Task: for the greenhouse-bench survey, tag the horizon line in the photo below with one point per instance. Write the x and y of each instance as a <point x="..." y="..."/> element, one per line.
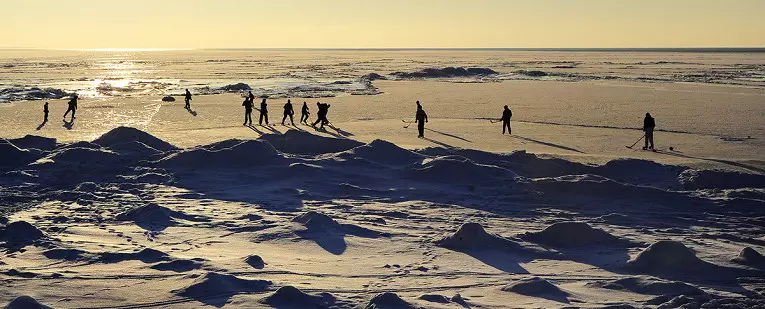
<point x="636" y="49"/>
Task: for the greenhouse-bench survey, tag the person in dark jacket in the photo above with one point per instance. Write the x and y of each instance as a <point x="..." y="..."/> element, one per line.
<point x="187" y="98"/>
<point x="506" y="115"/>
<point x="321" y="115"/>
<point x="247" y="111"/>
<point x="648" y="125"/>
<point x="45" y="111"/>
<point x="421" y="118"/>
<point x="72" y="106"/>
<point x="304" y="113"/>
<point x="288" y="112"/>
<point x="263" y="112"/>
<point x="251" y="97"/>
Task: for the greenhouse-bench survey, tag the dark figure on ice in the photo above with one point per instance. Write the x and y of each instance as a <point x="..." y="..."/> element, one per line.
<point x="263" y="112"/>
<point x="187" y="98"/>
<point x="72" y="106"/>
<point x="420" y="118"/>
<point x="288" y="112"/>
<point x="648" y="125"/>
<point x="45" y="111"/>
<point x="304" y="113"/>
<point x="506" y="115"/>
<point x="321" y="115"/>
<point x="247" y="111"/>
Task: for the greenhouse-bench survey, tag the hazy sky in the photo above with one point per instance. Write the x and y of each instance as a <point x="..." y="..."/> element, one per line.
<point x="381" y="23"/>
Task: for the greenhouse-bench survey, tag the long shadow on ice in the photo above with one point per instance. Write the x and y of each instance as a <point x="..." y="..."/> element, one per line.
<point x="450" y="135"/>
<point x="547" y="143"/>
<point x="727" y="162"/>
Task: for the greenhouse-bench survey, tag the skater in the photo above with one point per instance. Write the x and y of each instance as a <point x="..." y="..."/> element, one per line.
<point x="321" y="115"/>
<point x="288" y="112"/>
<point x="247" y="111"/>
<point x="72" y="106"/>
<point x="304" y="113"/>
<point x="648" y="125"/>
<point x="45" y="111"/>
<point x="188" y="99"/>
<point x="506" y="115"/>
<point x="421" y="118"/>
<point x="263" y="112"/>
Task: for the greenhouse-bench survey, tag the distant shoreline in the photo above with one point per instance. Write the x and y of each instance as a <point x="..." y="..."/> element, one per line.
<point x="650" y="50"/>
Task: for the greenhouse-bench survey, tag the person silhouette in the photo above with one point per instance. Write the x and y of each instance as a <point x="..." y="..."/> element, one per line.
<point x="263" y="112"/>
<point x="72" y="106"/>
<point x="421" y="118"/>
<point x="304" y="113"/>
<point x="321" y="114"/>
<point x="648" y="125"/>
<point x="45" y="111"/>
<point x="506" y="115"/>
<point x="247" y="111"/>
<point x="187" y="98"/>
<point x="288" y="112"/>
<point x="251" y="97"/>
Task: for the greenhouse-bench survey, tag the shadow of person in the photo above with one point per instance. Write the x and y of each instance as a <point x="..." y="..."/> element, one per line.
<point x="450" y="135"/>
<point x="341" y="132"/>
<point x="192" y="112"/>
<point x="69" y="124"/>
<point x="442" y="144"/>
<point x="728" y="162"/>
<point x="546" y="143"/>
<point x="255" y="129"/>
<point x="42" y="125"/>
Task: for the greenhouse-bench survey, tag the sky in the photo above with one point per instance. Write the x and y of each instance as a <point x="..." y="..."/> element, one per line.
<point x="93" y="24"/>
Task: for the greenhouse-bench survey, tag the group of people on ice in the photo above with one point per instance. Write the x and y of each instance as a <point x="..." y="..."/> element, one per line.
<point x="323" y="108"/>
<point x="289" y="112"/>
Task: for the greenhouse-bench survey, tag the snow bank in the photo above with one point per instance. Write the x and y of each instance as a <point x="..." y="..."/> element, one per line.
<point x="388" y="300"/>
<point x="572" y="234"/>
<point x="178" y="265"/>
<point x="666" y="256"/>
<point x="215" y="284"/>
<point x="714" y="179"/>
<point x="146" y="255"/>
<point x="25" y="302"/>
<point x="128" y="134"/>
<point x="85" y="156"/>
<point x="247" y="153"/>
<point x="315" y="220"/>
<point x="650" y="285"/>
<point x="445" y="72"/>
<point x="150" y="213"/>
<point x="11" y="156"/>
<point x="301" y="142"/>
<point x="292" y="297"/>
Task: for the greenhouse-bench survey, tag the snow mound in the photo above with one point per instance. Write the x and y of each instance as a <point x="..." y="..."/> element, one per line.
<point x="178" y="265"/>
<point x="650" y="286"/>
<point x="150" y="214"/>
<point x="221" y="155"/>
<point x="236" y="87"/>
<point x="572" y="234"/>
<point x="435" y="298"/>
<point x="292" y="297"/>
<point x="666" y="256"/>
<point x="255" y="261"/>
<point x="536" y="287"/>
<point x="65" y="254"/>
<point x="36" y="142"/>
<point x="84" y="156"/>
<point x="445" y="72"/>
<point x="455" y="169"/>
<point x="20" y="232"/>
<point x="301" y="142"/>
<point x="713" y="179"/>
<point x="215" y="284"/>
<point x="25" y="302"/>
<point x="146" y="255"/>
<point x="751" y="257"/>
<point x="168" y="99"/>
<point x="383" y="152"/>
<point x="128" y="134"/>
<point x="388" y="300"/>
<point x="639" y="171"/>
<point x="616" y="219"/>
<point x="10" y="155"/>
<point x="472" y="236"/>
<point x="316" y="220"/>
